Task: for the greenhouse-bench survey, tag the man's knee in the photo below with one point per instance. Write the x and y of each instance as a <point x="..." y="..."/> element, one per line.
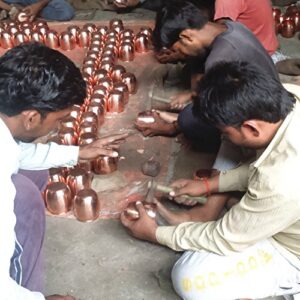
<point x="58" y="10"/>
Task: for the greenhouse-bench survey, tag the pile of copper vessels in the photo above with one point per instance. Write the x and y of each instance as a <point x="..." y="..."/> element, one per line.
<point x="287" y="23"/>
<point x="109" y="86"/>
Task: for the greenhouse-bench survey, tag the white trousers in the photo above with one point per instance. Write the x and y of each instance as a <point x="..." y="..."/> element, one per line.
<point x="258" y="272"/>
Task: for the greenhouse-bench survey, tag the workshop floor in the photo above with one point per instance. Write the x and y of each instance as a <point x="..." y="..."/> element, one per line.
<point x="99" y="260"/>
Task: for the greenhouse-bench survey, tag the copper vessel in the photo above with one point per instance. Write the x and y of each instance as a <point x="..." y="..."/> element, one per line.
<point x="95" y="47"/>
<point x="89" y="116"/>
<point x="146" y="117"/>
<point x="90" y="61"/>
<point x="126" y="52"/>
<point x="27" y="30"/>
<point x="58" y="198"/>
<point x="107" y="58"/>
<point x="287" y="28"/>
<point x="43" y="29"/>
<point x="115" y="102"/>
<point x="130" y="80"/>
<point x="276" y="13"/>
<point x="141" y="43"/>
<point x="36" y="36"/>
<point x="116" y="73"/>
<point x="88" y="69"/>
<point x="76" y="112"/>
<point x="22" y="17"/>
<point x="91" y="27"/>
<point x="147" y="31"/>
<point x="67" y="41"/>
<point x="68" y="136"/>
<point x="69" y="122"/>
<point x="98" y="99"/>
<point x="106" y="65"/>
<point x="86" y="138"/>
<point x="122" y="87"/>
<point x="6" y="40"/>
<point x="296" y="19"/>
<point x="100" y="90"/>
<point x="132" y="212"/>
<point x="105" y="164"/>
<point x="99" y="110"/>
<point x="77" y="180"/>
<point x="109" y="51"/>
<point x="56" y="175"/>
<point x="19" y="38"/>
<point x="41" y="23"/>
<point x="117" y="28"/>
<point x="93" y="54"/>
<point x="114" y="22"/>
<point x="51" y="39"/>
<point x="126" y="33"/>
<point x="111" y="33"/>
<point x="12" y="29"/>
<point x="100" y="73"/>
<point x="102" y="29"/>
<point x="74" y="30"/>
<point x="106" y="82"/>
<point x="86" y="165"/>
<point x="83" y="38"/>
<point x="86" y="205"/>
<point x="97" y="35"/>
<point x="292" y="9"/>
<point x="87" y="127"/>
<point x="89" y="80"/>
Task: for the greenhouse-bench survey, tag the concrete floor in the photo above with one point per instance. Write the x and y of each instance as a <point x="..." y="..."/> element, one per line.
<point x="99" y="260"/>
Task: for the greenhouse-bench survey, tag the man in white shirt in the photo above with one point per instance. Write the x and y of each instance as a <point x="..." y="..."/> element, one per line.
<point x="38" y="87"/>
<point x="253" y="250"/>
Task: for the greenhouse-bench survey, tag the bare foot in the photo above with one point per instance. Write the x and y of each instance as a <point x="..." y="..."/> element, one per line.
<point x="180" y="100"/>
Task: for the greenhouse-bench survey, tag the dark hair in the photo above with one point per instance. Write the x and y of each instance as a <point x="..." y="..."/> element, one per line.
<point x="173" y="18"/>
<point x="33" y="76"/>
<point x="231" y="93"/>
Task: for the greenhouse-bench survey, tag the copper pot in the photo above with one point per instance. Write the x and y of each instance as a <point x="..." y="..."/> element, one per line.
<point x="19" y="38"/>
<point x="88" y="69"/>
<point x="99" y="110"/>
<point x="56" y="175"/>
<point x="78" y="180"/>
<point x="91" y="27"/>
<point x="89" y="80"/>
<point x="126" y="52"/>
<point x="115" y="102"/>
<point x="90" y="61"/>
<point x="43" y="29"/>
<point x="141" y="43"/>
<point x="287" y="28"/>
<point x="276" y="13"/>
<point x="6" y="40"/>
<point x="67" y="41"/>
<point x="126" y="33"/>
<point x="109" y="51"/>
<point x="296" y="19"/>
<point x="86" y="205"/>
<point x="292" y="9"/>
<point x="132" y="212"/>
<point x="100" y="90"/>
<point x="58" y="198"/>
<point x="105" y="165"/>
<point x="115" y="22"/>
<point x="74" y="30"/>
<point x="117" y="71"/>
<point x="117" y="28"/>
<point x="106" y="65"/>
<point x="130" y="80"/>
<point x="93" y="54"/>
<point x="97" y="35"/>
<point x="106" y="82"/>
<point x="111" y="33"/>
<point x="100" y="73"/>
<point x="102" y="29"/>
<point x="122" y="87"/>
<point x="89" y="116"/>
<point x="51" y="39"/>
<point x="76" y="112"/>
<point x="83" y="38"/>
<point x="69" y="122"/>
<point x="146" y="117"/>
<point x="98" y="99"/>
<point x="108" y="58"/>
<point x="146" y="31"/>
<point x="68" y="136"/>
<point x="41" y="23"/>
<point x="86" y="138"/>
<point x="12" y="29"/>
<point x="37" y="37"/>
<point x="27" y="30"/>
<point x="87" y="127"/>
<point x="95" y="47"/>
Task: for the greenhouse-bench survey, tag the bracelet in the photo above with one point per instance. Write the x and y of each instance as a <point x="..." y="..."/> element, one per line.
<point x="207" y="185"/>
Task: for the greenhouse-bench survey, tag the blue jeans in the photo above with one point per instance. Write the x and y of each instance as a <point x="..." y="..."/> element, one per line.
<point x="58" y="10"/>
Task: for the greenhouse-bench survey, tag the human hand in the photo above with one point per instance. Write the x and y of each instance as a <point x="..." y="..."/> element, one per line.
<point x="59" y="297"/>
<point x="158" y="127"/>
<point x="180" y="100"/>
<point x="32" y="10"/>
<point x="102" y="146"/>
<point x="144" y="228"/>
<point x="289" y="66"/>
<point x="169" y="56"/>
<point x="167" y="116"/>
<point x="126" y="3"/>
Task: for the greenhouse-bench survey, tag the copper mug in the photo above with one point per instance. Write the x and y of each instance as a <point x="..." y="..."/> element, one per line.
<point x="77" y="180"/>
<point x="67" y="41"/>
<point x="58" y="198"/>
<point x="69" y="122"/>
<point x="89" y="116"/>
<point x="130" y="80"/>
<point x="87" y="127"/>
<point x="132" y="212"/>
<point x="288" y="28"/>
<point x="126" y="52"/>
<point x="100" y="90"/>
<point x="126" y="33"/>
<point x="68" y="136"/>
<point x="147" y="31"/>
<point x="105" y="164"/>
<point x="86" y="138"/>
<point x="19" y="38"/>
<point x="122" y="87"/>
<point x="83" y="38"/>
<point x="6" y="41"/>
<point x="98" y="99"/>
<point x="86" y="205"/>
<point x="99" y="110"/>
<point x="74" y="30"/>
<point x="116" y="73"/>
<point x="114" y="22"/>
<point x="36" y="36"/>
<point x="115" y="102"/>
<point x="102" y="29"/>
<point x="51" y="39"/>
<point x="91" y="27"/>
<point x="100" y="73"/>
<point x="56" y="175"/>
<point x="141" y="43"/>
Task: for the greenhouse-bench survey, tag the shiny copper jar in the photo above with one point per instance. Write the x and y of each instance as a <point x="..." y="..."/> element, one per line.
<point x="100" y="90"/>
<point x="87" y="138"/>
<point x="19" y="38"/>
<point x="287" y="28"/>
<point x="107" y="65"/>
<point x="43" y="29"/>
<point x="69" y="122"/>
<point x="127" y="33"/>
<point x="116" y="73"/>
<point x="67" y="41"/>
<point x="77" y="180"/>
<point x="68" y="136"/>
<point x="87" y="127"/>
<point x="146" y="31"/>
<point x="122" y="87"/>
<point x="84" y="38"/>
<point x="74" y="30"/>
<point x="56" y="175"/>
<point x="106" y="82"/>
<point x="91" y="27"/>
<point x="86" y="205"/>
<point x="51" y="39"/>
<point x="130" y="80"/>
<point x="6" y="40"/>
<point x="115" y="102"/>
<point x="100" y="100"/>
<point x="105" y="165"/>
<point x="100" y="73"/>
<point x="141" y="43"/>
<point x="89" y="116"/>
<point x="115" y="22"/>
<point x="76" y="112"/>
<point x="102" y="29"/>
<point x="98" y="110"/>
<point x="126" y="52"/>
<point x="36" y="36"/>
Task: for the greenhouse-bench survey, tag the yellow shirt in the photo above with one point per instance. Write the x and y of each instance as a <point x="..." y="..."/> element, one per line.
<point x="270" y="208"/>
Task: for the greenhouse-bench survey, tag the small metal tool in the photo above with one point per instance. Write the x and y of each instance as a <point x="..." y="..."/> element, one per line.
<point x="155" y="186"/>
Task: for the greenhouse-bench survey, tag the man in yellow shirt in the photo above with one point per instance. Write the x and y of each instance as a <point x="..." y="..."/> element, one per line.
<point x="253" y="251"/>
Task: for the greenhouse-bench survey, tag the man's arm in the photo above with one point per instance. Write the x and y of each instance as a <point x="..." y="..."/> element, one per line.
<point x="228" y="9"/>
<point x="4" y="6"/>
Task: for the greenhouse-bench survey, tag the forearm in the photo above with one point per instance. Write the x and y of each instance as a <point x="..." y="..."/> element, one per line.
<point x="5" y="6"/>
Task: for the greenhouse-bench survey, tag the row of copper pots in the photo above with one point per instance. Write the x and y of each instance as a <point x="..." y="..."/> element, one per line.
<point x="287" y="24"/>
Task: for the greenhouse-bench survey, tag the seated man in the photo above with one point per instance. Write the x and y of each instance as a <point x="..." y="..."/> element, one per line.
<point x="58" y="10"/>
<point x="253" y="250"/>
<point x="38" y="87"/>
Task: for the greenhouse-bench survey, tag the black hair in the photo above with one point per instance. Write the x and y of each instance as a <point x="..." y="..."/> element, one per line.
<point x="231" y="93"/>
<point x="173" y="18"/>
<point x="33" y="76"/>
